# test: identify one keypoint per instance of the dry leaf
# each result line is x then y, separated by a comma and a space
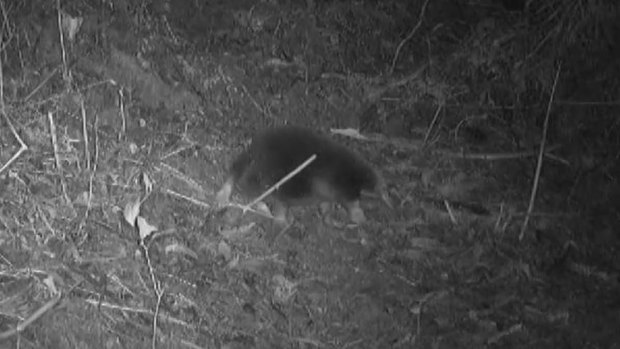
51, 285
133, 148
182, 249
131, 212
144, 228
263, 208
71, 25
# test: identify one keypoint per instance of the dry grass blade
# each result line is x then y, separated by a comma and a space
32, 318
500, 156
409, 36
22, 146
541, 153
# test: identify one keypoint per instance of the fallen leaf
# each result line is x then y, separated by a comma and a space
131, 212
144, 228
181, 249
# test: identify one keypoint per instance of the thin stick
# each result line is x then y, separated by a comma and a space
34, 317
499, 156
450, 212
121, 103
178, 174
91, 177
65, 69
22, 145
1, 70
6, 25
57, 157
530, 207
163, 318
157, 287
589, 103
192, 200
430, 127
41, 84
160, 294
283, 180
85, 133
409, 36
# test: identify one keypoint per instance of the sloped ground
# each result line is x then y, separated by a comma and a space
142, 106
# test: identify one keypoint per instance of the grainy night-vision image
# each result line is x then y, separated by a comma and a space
309, 174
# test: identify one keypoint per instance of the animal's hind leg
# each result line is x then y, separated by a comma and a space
356, 214
280, 221
223, 195
280, 211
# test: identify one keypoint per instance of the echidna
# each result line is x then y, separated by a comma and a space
336, 174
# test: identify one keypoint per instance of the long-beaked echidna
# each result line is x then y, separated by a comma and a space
336, 175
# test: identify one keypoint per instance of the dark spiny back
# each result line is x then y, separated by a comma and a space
276, 152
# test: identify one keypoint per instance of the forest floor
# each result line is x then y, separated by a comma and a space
133, 114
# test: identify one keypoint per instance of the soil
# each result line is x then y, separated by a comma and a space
111, 237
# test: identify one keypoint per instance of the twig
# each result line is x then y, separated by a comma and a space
121, 103
497, 337
85, 133
589, 103
409, 36
283, 180
374, 96
530, 207
45, 220
177, 151
190, 344
253, 100
41, 84
6, 25
1, 70
184, 197
450, 212
499, 156
249, 207
57, 156
34, 317
180, 175
430, 127
125, 309
22, 146
92, 174
309, 341
246, 208
65, 69
159, 292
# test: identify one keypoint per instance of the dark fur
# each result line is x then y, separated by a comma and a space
337, 174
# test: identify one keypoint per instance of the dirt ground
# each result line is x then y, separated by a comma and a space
119, 120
